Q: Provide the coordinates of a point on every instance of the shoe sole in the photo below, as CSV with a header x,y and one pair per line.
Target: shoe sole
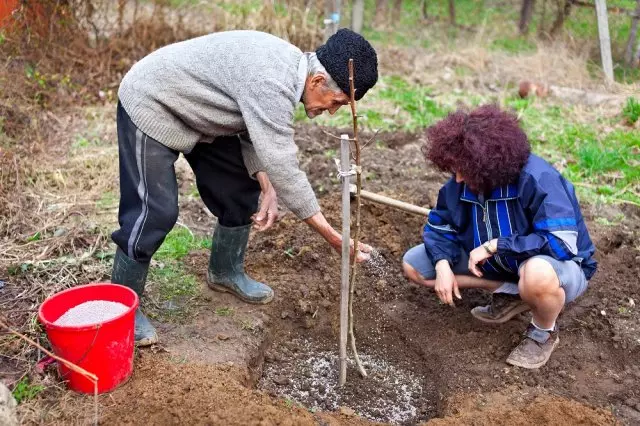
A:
x,y
147,341
529,366
223,289
507,317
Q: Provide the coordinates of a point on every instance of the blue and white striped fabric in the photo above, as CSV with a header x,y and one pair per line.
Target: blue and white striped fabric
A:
x,y
537,214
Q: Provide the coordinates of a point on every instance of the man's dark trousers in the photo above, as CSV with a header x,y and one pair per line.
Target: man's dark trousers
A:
x,y
149,189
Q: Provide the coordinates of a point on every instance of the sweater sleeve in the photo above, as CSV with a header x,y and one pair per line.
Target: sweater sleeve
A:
x,y
267,108
555,231
250,157
440,235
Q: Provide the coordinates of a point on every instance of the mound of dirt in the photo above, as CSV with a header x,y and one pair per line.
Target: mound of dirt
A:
x,y
163,391
510,408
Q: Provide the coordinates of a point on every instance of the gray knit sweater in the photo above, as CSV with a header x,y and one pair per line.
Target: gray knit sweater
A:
x,y
223,84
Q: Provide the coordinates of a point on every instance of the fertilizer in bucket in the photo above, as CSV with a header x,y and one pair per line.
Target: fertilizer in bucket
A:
x,y
92,326
93,312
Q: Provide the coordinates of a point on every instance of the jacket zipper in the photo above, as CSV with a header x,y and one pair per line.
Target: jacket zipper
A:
x,y
487,224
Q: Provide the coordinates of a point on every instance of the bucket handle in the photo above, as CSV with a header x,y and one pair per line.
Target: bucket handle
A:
x,y
84,355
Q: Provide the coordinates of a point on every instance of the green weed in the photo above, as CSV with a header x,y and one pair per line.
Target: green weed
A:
x,y
330,153
415,100
193,191
179,243
604,166
631,110
172,282
35,237
24,390
225,311
171,290
514,45
108,200
247,325
299,114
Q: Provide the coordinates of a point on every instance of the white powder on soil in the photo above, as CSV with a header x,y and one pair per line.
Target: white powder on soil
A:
x,y
92,312
313,381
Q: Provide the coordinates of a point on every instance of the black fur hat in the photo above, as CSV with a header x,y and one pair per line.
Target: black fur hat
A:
x,y
334,57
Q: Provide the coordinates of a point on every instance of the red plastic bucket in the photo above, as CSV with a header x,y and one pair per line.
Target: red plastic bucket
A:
x,y
104,349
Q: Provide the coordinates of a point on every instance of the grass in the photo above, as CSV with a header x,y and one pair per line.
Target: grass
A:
x,y
393,104
225,311
631,110
179,243
514,46
25,390
108,200
602,161
172,286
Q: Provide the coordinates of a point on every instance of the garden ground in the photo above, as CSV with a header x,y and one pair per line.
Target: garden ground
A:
x,y
224,362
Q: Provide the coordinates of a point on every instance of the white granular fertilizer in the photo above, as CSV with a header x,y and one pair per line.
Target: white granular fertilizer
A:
x,y
92,312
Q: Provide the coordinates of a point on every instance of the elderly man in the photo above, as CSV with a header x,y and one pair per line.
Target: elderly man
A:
x,y
226,101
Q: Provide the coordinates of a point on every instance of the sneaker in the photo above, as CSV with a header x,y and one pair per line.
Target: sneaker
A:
x,y
502,308
536,348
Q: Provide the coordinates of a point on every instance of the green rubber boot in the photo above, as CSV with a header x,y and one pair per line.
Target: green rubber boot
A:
x,y
132,274
226,266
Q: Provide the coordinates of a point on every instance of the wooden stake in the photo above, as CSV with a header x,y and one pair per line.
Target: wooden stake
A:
x,y
356,237
345,163
605,40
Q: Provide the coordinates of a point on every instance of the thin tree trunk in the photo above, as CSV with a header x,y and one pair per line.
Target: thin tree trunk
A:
x,y
563,14
331,18
381,12
396,10
605,39
452,12
525,15
357,16
543,19
633,37
424,15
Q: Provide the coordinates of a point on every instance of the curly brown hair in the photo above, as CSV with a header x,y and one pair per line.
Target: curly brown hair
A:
x,y
486,146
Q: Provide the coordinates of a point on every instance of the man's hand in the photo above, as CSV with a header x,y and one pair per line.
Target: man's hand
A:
x,y
446,285
268,212
479,255
320,225
364,250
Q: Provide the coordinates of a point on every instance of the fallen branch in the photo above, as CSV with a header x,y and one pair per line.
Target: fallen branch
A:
x,y
352,281
71,366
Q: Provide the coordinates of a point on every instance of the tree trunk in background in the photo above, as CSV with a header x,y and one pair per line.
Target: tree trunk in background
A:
x,y
424,15
396,12
605,39
563,14
381,12
452,12
633,37
331,18
357,16
543,19
525,15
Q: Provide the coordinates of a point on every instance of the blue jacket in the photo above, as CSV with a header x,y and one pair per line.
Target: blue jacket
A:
x,y
537,214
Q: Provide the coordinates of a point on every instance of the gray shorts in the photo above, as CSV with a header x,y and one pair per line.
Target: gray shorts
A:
x,y
570,275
